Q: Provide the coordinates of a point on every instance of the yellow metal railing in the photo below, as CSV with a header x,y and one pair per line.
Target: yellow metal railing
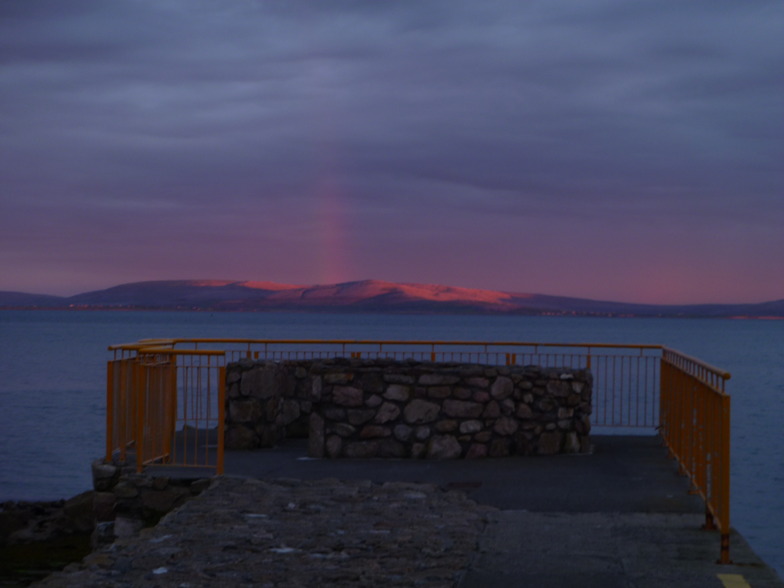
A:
x,y
165,397
166,407
695,426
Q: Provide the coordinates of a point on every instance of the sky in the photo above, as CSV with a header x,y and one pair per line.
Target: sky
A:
x,y
608,149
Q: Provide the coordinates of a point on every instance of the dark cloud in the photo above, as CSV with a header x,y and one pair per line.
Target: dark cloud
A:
x,y
163,117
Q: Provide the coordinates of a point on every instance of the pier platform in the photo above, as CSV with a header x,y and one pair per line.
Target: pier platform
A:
x,y
619,517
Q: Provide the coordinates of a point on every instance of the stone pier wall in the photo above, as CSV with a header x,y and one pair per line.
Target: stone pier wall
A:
x,y
385,408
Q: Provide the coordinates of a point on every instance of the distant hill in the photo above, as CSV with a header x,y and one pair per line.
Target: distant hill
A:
x,y
365,296
24,300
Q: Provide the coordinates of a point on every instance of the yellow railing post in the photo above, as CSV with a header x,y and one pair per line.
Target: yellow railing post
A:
x,y
139,393
724,481
110,411
221,418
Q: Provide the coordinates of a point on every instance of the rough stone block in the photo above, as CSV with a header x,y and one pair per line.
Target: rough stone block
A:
x,y
476,450
446,426
403,432
316,436
248,410
338,378
462,408
420,411
505,426
502,388
437,380
499,447
360,416
347,396
360,449
478,382
549,443
444,447
571,443
472,426
387,412
334,446
398,392
374,432
240,437
439,392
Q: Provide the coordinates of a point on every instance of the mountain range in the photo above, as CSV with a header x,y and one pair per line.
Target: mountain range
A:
x,y
363,296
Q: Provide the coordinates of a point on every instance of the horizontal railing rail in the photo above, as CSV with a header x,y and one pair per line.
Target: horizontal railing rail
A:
x,y
165,397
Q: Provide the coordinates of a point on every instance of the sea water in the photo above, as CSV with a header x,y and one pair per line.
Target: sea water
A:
x,y
52,384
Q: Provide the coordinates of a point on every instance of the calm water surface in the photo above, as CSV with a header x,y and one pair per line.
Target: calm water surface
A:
x,y
52,385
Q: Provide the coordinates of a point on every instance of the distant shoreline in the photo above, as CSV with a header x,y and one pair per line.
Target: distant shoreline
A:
x,y
356,311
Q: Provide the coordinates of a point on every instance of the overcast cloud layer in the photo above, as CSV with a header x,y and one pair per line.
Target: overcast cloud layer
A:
x,y
595,148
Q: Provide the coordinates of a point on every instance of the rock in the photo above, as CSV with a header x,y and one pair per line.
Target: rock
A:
x,y
502,388
462,408
374,431
105,475
446,426
79,511
505,426
387,412
476,450
470,426
398,392
391,448
316,437
549,443
492,410
245,411
559,388
398,378
343,429
359,416
444,447
127,527
565,413
334,446
478,382
290,411
159,502
437,380
347,396
439,392
103,506
360,449
125,490
240,437
499,448
420,411
571,443
403,432
338,378
261,382
422,433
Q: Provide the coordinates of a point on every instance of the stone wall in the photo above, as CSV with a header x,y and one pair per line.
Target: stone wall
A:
x,y
385,408
123,501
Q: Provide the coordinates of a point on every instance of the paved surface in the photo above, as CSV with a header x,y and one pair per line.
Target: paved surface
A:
x,y
620,517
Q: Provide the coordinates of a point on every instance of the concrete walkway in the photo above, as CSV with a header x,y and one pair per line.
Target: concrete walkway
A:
x,y
621,516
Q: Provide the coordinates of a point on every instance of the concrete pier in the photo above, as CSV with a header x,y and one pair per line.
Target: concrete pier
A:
x,y
619,517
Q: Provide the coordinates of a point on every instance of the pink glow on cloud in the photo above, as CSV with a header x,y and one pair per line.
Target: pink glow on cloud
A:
x,y
333,250
407,142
